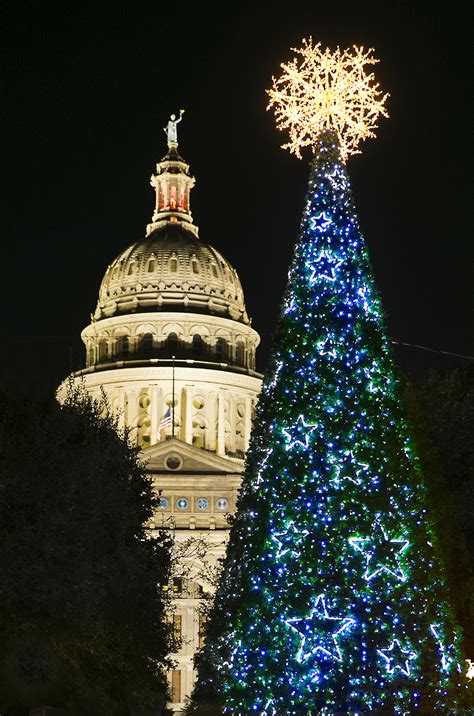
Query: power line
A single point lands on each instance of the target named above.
(431, 350)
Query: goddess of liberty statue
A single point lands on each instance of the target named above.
(170, 129)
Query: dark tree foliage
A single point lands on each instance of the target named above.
(448, 405)
(82, 612)
(442, 412)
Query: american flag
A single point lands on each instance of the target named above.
(165, 422)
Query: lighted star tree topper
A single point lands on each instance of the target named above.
(320, 90)
(332, 596)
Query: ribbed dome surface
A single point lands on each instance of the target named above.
(171, 270)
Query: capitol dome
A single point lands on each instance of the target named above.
(171, 296)
(171, 355)
(171, 269)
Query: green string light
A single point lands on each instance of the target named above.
(332, 597)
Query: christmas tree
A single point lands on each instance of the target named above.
(332, 596)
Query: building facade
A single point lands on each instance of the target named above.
(172, 348)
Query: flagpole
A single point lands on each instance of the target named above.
(172, 403)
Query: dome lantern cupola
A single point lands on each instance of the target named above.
(172, 183)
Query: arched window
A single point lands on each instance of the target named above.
(198, 345)
(151, 265)
(173, 264)
(214, 270)
(146, 344)
(221, 349)
(131, 268)
(240, 353)
(103, 350)
(124, 346)
(172, 343)
(173, 202)
(195, 265)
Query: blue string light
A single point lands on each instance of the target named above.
(332, 571)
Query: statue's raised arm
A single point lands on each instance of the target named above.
(170, 129)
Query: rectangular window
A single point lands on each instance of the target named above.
(175, 686)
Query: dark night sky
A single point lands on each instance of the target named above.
(86, 94)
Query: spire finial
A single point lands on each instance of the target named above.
(173, 183)
(171, 130)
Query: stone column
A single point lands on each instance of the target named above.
(155, 415)
(132, 412)
(161, 407)
(211, 415)
(188, 414)
(96, 349)
(232, 422)
(248, 421)
(121, 410)
(220, 423)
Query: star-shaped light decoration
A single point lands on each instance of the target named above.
(326, 347)
(397, 658)
(382, 553)
(445, 662)
(298, 434)
(350, 470)
(228, 664)
(262, 467)
(320, 222)
(320, 632)
(332, 262)
(320, 90)
(288, 540)
(269, 710)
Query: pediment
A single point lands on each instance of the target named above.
(191, 459)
